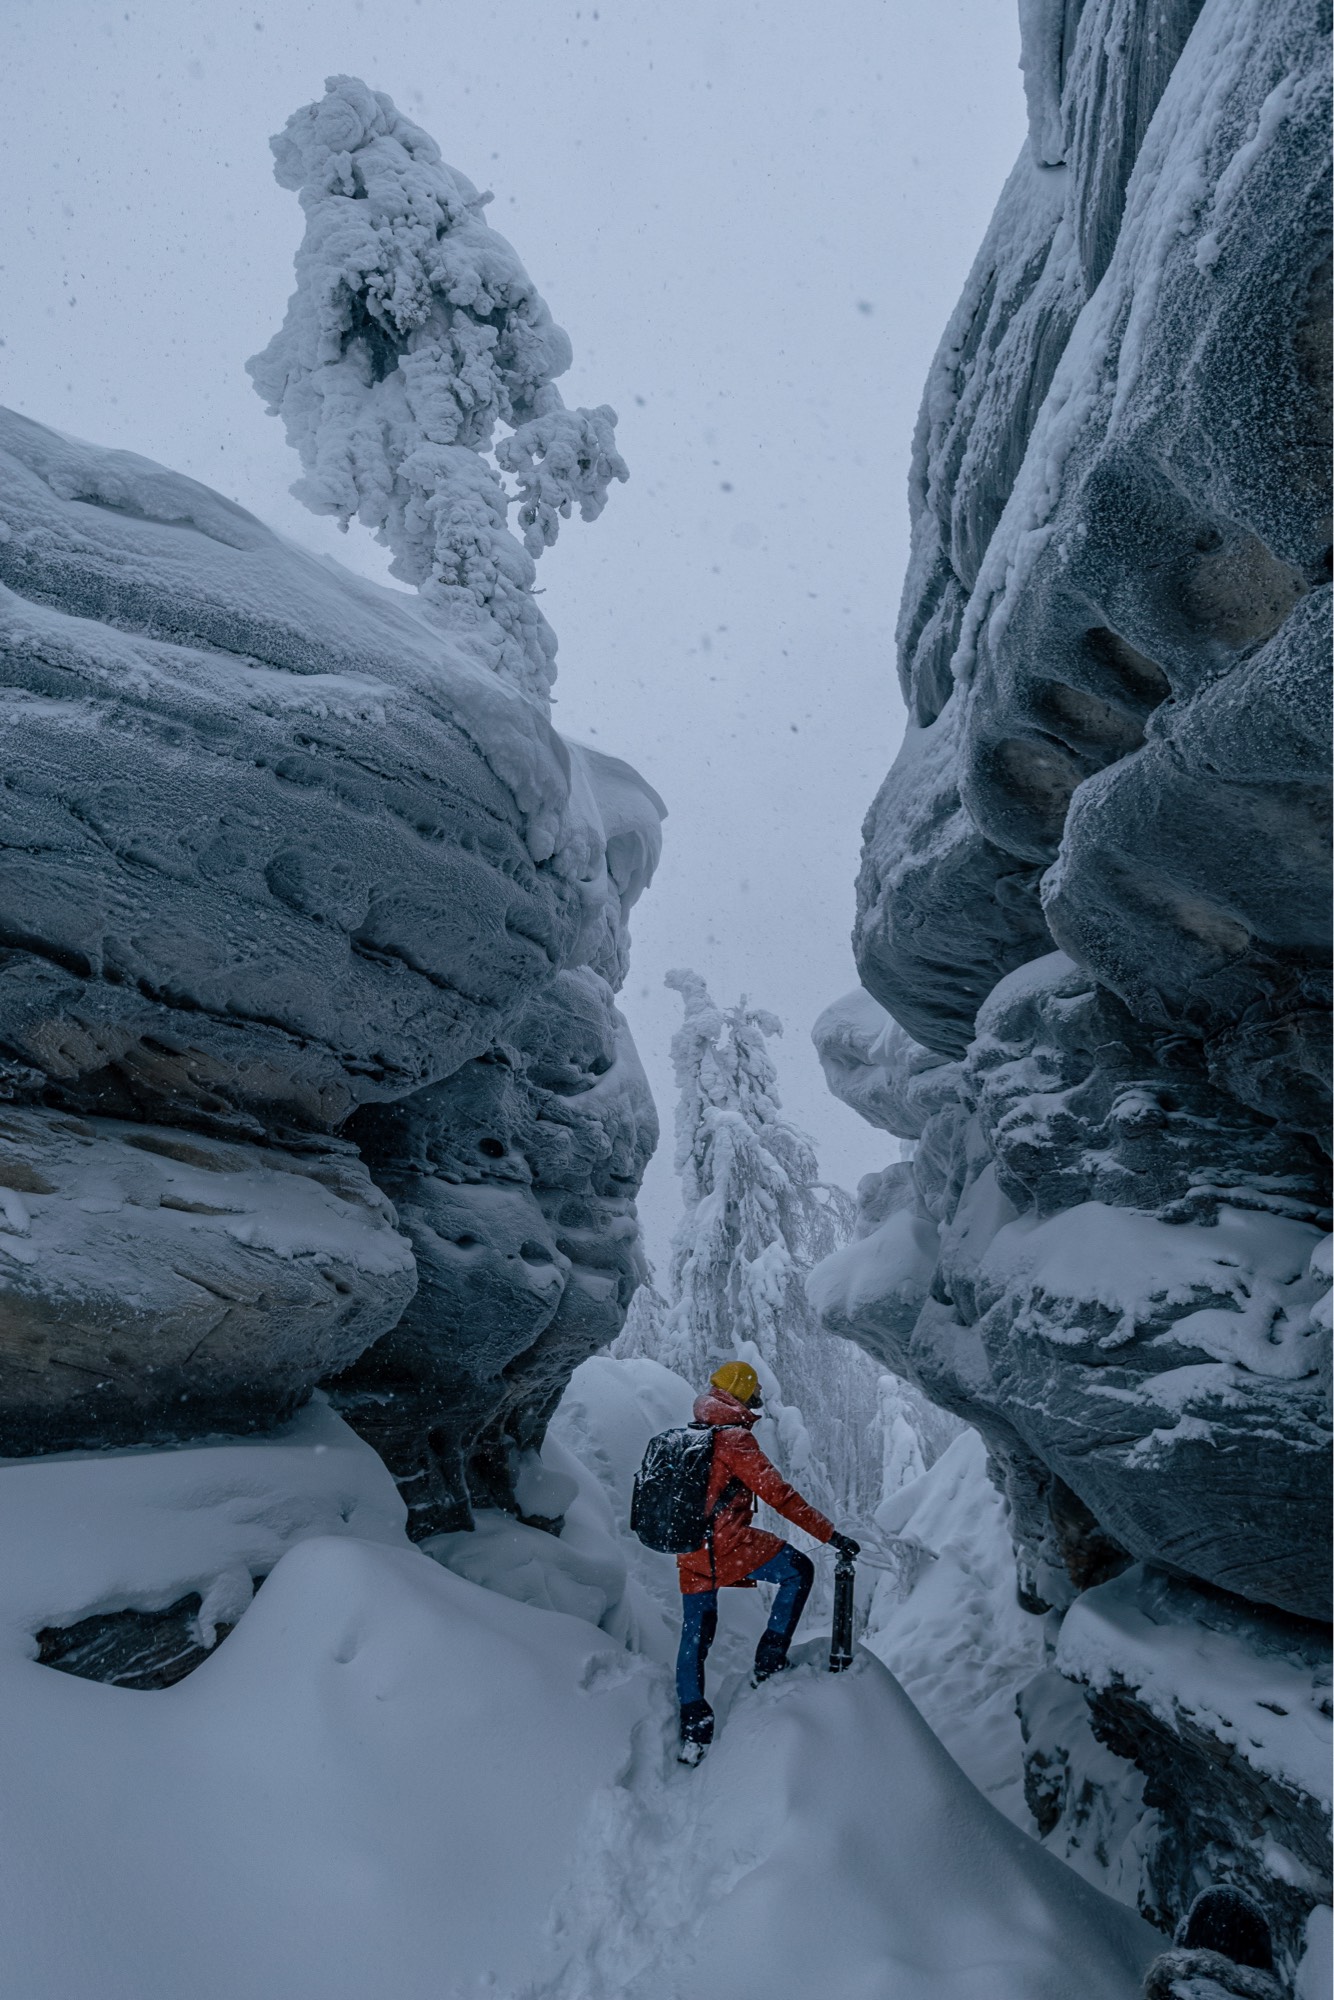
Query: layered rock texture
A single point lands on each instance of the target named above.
(515, 1180)
(160, 1282)
(1092, 918)
(310, 923)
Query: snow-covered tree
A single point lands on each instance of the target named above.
(645, 1330)
(414, 331)
(756, 1212)
(756, 1216)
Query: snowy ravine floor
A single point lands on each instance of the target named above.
(392, 1779)
(955, 1637)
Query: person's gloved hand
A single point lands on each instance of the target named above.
(845, 1545)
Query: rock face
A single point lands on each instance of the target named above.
(1120, 501)
(515, 1181)
(1092, 919)
(271, 849)
(156, 1281)
(286, 875)
(148, 1650)
(1228, 1712)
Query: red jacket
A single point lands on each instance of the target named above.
(737, 1459)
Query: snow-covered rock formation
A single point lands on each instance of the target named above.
(306, 909)
(515, 1180)
(155, 1279)
(1092, 918)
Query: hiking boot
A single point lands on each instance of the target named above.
(770, 1657)
(696, 1731)
(696, 1722)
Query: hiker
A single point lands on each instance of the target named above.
(733, 1552)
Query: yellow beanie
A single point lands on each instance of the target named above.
(736, 1378)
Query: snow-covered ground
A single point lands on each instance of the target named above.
(949, 1625)
(455, 1776)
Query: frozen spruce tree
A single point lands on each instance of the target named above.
(755, 1217)
(413, 335)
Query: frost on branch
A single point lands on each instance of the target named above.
(558, 458)
(414, 331)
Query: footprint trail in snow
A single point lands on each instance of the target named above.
(827, 1844)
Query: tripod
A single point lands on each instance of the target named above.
(840, 1644)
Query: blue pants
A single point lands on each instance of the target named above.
(794, 1574)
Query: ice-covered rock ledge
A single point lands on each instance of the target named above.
(154, 1281)
(1228, 1711)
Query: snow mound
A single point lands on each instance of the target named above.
(829, 1845)
(384, 1768)
(80, 1534)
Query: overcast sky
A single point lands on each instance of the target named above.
(753, 220)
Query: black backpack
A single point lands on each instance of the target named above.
(667, 1511)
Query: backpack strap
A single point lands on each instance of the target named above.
(729, 1491)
